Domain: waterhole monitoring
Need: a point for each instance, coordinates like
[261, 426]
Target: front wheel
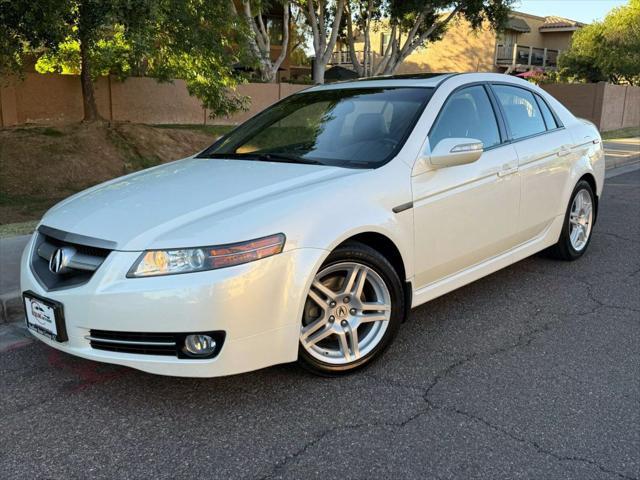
[353, 310]
[578, 224]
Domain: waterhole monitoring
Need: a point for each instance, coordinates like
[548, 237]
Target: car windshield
[355, 128]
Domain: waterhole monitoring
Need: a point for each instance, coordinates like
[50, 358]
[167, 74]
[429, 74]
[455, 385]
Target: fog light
[199, 345]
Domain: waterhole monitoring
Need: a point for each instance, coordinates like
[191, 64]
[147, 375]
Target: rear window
[521, 111]
[549, 119]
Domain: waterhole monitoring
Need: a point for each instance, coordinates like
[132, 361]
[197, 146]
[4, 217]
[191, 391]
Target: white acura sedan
[310, 231]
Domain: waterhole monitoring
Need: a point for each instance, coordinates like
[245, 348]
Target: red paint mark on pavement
[16, 345]
[89, 373]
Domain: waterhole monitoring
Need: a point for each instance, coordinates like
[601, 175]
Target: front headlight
[168, 262]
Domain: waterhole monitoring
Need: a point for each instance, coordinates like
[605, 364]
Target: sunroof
[406, 76]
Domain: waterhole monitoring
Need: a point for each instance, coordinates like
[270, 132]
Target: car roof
[427, 80]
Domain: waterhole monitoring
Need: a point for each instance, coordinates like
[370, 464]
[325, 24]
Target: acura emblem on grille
[60, 259]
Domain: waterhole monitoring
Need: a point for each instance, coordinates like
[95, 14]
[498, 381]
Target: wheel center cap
[342, 311]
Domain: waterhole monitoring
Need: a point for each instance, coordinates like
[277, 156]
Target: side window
[467, 114]
[521, 111]
[546, 113]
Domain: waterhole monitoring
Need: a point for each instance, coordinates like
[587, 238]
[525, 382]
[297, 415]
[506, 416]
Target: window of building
[275, 27]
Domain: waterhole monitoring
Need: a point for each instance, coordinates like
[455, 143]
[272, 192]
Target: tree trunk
[318, 71]
[88, 96]
[323, 45]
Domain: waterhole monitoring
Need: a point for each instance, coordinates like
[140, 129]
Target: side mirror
[455, 151]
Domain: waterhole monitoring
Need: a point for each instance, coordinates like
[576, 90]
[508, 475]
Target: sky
[582, 10]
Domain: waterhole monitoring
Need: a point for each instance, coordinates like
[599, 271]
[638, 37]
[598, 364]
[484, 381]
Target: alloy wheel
[580, 220]
[346, 314]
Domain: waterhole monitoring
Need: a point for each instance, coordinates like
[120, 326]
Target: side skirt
[546, 238]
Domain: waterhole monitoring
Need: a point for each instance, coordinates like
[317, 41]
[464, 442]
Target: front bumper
[258, 305]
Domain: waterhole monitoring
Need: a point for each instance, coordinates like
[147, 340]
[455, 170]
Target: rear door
[465, 214]
[544, 156]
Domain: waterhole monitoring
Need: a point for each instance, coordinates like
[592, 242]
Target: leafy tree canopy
[606, 51]
[195, 40]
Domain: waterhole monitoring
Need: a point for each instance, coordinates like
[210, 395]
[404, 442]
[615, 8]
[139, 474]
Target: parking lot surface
[533, 372]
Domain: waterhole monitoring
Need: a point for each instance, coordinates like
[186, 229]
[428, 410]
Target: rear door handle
[507, 171]
[564, 151]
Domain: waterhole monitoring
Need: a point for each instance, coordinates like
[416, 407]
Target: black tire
[362, 254]
[563, 250]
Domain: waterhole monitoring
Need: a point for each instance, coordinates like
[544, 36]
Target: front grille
[89, 254]
[147, 343]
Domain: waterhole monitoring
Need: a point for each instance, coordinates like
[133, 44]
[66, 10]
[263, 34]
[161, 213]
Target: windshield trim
[342, 163]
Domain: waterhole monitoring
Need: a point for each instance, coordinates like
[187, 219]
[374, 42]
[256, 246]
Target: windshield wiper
[286, 158]
[265, 157]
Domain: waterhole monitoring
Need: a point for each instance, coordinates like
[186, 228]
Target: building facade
[527, 42]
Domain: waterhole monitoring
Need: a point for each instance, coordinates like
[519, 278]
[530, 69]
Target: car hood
[135, 210]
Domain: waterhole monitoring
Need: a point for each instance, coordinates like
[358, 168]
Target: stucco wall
[57, 99]
[460, 50]
[537, 39]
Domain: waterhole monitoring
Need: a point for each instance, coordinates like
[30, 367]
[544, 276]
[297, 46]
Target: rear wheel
[578, 224]
[352, 312]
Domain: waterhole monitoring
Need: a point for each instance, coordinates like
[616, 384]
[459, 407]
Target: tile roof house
[527, 42]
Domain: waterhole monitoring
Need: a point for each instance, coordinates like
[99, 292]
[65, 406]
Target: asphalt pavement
[532, 372]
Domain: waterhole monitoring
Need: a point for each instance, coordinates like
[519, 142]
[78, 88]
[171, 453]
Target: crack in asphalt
[524, 339]
[591, 295]
[539, 448]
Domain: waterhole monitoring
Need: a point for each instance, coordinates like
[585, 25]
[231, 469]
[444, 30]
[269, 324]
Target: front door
[465, 214]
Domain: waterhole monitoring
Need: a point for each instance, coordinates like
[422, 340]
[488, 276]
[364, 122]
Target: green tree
[200, 41]
[606, 51]
[414, 24]
[196, 40]
[64, 24]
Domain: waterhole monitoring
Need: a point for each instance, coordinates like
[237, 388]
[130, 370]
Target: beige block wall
[8, 107]
[57, 99]
[632, 108]
[144, 100]
[613, 107]
[262, 95]
[580, 99]
[50, 99]
[608, 106]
